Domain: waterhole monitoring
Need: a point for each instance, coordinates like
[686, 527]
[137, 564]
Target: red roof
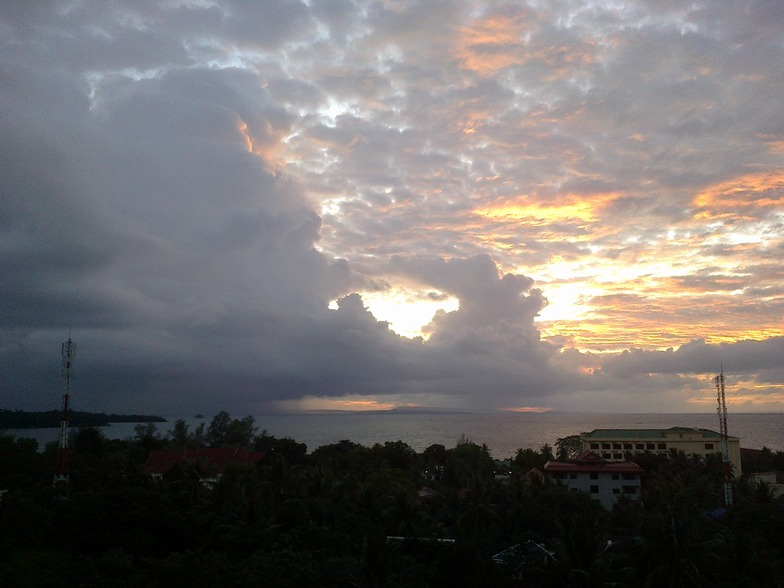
[214, 459]
[588, 461]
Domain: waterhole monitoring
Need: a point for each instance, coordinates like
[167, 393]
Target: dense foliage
[350, 515]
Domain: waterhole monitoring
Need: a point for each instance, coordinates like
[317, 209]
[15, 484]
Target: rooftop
[588, 461]
[651, 433]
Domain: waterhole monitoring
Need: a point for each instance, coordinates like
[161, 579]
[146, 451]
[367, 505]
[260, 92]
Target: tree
[525, 460]
[395, 454]
[434, 460]
[581, 540]
[469, 467]
[179, 434]
[568, 447]
[288, 450]
[345, 457]
[546, 451]
[198, 437]
[223, 431]
[218, 429]
[146, 432]
[240, 432]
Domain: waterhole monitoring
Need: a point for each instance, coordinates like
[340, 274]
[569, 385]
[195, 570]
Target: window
[594, 446]
[617, 456]
[615, 476]
[572, 476]
[594, 489]
[616, 445]
[662, 446]
[605, 445]
[630, 490]
[629, 477]
[650, 446]
[594, 476]
[605, 456]
[640, 446]
[627, 446]
[616, 490]
[709, 446]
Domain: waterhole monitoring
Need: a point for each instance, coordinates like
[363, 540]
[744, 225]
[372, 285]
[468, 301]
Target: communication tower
[725, 445]
[61, 475]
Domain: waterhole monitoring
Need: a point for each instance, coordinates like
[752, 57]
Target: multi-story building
[615, 444]
[603, 480]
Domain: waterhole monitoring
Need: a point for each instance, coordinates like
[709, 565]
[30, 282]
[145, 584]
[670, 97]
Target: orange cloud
[757, 190]
[499, 41]
[492, 44]
[536, 409]
[568, 208]
[654, 319]
[268, 151]
[348, 404]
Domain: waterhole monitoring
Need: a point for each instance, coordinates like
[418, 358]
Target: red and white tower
[61, 475]
[725, 445]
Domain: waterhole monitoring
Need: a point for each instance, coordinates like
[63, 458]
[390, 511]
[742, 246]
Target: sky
[289, 205]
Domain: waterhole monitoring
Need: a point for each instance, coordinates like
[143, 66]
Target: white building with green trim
[615, 444]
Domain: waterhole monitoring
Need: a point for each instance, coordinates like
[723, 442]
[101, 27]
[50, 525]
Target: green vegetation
[20, 419]
[325, 518]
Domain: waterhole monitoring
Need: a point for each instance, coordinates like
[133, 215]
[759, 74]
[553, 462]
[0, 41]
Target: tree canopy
[386, 515]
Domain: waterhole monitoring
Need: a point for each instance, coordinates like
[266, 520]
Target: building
[603, 480]
[773, 480]
[615, 444]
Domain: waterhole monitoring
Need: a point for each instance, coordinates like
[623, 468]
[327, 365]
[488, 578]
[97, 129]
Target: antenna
[725, 445]
[61, 476]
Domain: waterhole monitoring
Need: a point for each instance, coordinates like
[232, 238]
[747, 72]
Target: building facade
[615, 444]
[603, 480]
[774, 481]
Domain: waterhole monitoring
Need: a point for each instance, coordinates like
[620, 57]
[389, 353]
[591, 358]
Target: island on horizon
[22, 419]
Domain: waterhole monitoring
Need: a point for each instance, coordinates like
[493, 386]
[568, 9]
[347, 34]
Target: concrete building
[603, 480]
[614, 444]
[774, 481]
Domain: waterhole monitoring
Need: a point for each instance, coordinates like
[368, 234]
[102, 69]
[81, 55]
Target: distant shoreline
[51, 419]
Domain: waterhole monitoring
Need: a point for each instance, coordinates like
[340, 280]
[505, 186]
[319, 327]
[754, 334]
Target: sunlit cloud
[337, 404]
[407, 311]
[746, 197]
[543, 213]
[525, 409]
[492, 43]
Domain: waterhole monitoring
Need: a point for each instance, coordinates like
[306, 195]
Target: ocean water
[503, 433]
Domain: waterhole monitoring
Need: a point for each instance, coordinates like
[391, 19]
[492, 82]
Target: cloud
[203, 193]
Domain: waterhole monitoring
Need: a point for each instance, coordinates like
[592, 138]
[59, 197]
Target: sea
[503, 433]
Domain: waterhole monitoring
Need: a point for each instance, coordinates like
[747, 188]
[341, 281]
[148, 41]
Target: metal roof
[588, 461]
[650, 433]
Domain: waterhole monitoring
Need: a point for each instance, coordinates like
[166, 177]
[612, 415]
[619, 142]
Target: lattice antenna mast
[725, 444]
[62, 475]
